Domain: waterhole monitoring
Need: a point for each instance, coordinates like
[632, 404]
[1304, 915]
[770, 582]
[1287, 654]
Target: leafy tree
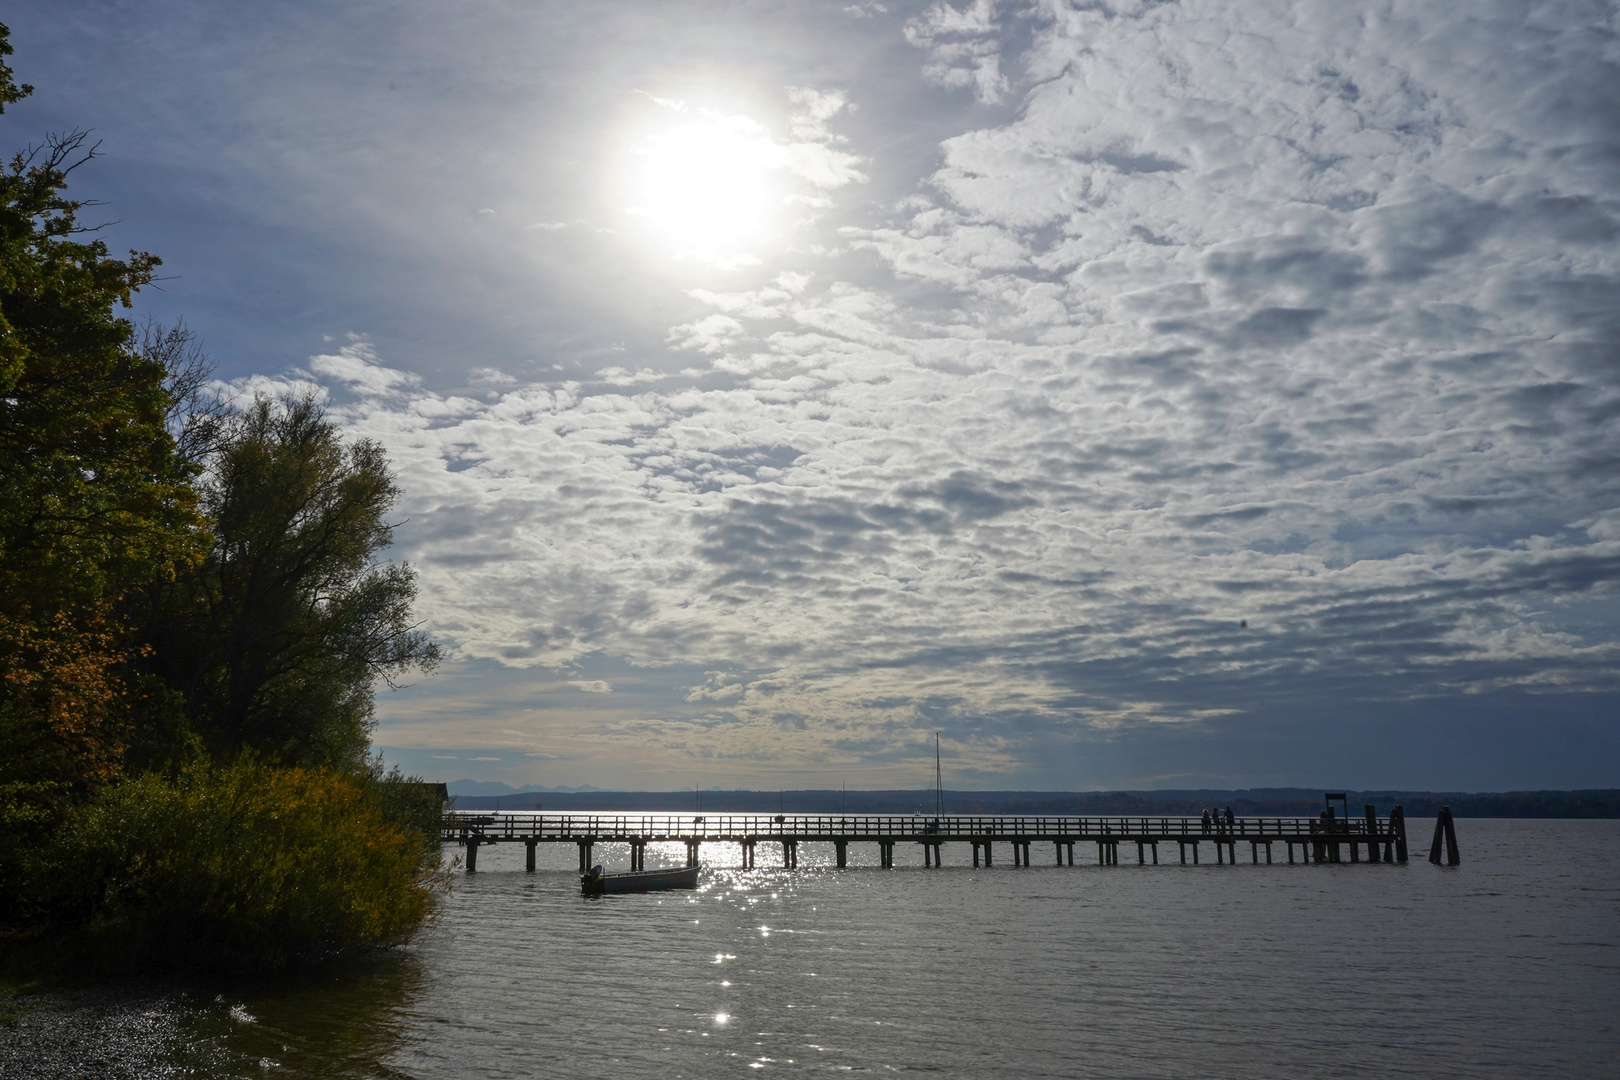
[278, 637]
[94, 501]
[10, 92]
[176, 578]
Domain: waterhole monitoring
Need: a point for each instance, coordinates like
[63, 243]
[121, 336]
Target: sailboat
[939, 792]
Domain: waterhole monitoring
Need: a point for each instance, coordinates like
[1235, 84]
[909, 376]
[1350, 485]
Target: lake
[1508, 965]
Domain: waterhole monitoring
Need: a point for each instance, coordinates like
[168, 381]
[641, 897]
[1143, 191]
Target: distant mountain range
[1597, 803]
[496, 788]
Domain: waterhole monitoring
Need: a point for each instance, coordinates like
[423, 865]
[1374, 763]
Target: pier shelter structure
[1326, 838]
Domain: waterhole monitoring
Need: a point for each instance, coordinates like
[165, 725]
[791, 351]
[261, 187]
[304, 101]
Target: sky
[1136, 394]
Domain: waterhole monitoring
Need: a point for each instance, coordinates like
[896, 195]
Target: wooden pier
[1326, 838]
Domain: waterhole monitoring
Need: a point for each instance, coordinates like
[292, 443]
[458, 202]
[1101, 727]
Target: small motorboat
[594, 882]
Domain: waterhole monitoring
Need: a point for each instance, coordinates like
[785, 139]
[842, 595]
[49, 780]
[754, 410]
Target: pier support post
[1397, 824]
[692, 852]
[989, 856]
[1154, 844]
[1446, 831]
[473, 840]
[1370, 814]
[790, 855]
[1183, 845]
[842, 847]
[528, 863]
[585, 847]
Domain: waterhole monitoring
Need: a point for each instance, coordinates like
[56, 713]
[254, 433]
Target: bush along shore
[193, 615]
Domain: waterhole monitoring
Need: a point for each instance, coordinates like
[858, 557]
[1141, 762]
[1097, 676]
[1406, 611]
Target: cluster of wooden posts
[1326, 838]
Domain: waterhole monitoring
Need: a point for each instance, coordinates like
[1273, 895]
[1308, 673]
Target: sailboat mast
[939, 788]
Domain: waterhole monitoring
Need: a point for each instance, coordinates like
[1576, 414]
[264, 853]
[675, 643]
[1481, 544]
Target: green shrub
[244, 867]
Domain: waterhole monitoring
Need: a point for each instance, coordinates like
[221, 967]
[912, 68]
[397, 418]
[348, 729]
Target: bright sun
[703, 184]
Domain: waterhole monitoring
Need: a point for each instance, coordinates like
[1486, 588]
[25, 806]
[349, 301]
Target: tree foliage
[94, 501]
[193, 616]
[277, 637]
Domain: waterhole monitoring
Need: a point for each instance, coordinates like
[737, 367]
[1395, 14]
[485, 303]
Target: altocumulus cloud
[1304, 316]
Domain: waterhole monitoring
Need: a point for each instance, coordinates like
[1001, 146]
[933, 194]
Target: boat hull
[596, 883]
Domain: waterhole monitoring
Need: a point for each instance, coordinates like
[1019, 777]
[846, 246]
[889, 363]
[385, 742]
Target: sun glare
[703, 185]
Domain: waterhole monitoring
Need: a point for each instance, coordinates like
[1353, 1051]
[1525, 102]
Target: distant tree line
[193, 615]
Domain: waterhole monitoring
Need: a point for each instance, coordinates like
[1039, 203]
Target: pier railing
[1320, 838]
[551, 826]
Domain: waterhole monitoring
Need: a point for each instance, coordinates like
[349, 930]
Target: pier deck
[1324, 838]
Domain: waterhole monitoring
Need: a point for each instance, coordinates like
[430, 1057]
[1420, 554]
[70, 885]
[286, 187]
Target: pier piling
[1445, 830]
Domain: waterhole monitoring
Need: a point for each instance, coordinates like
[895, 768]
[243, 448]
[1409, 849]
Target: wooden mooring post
[1445, 830]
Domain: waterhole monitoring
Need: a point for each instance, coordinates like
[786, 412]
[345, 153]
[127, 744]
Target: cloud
[964, 50]
[1264, 354]
[355, 366]
[710, 334]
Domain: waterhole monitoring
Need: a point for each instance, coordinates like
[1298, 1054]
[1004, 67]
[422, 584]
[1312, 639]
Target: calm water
[1506, 966]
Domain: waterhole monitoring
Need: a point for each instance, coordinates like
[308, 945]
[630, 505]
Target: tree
[94, 500]
[278, 637]
[176, 577]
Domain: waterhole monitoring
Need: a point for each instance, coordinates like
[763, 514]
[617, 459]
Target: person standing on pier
[1206, 821]
[1229, 819]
